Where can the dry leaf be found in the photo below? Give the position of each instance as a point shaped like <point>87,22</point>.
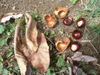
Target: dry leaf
<point>79,57</point>
<point>74,69</point>
<point>18,50</point>
<point>77,70</point>
<point>6,17</point>
<point>32,49</point>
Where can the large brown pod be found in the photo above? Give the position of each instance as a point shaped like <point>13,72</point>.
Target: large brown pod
<point>50,20</point>
<point>62,43</point>
<point>60,12</point>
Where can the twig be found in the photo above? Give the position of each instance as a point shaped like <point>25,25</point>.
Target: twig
<point>16,2</point>
<point>62,53</point>
<point>82,2</point>
<point>98,65</point>
<point>85,40</point>
<point>93,47</point>
<point>50,41</point>
<point>91,43</point>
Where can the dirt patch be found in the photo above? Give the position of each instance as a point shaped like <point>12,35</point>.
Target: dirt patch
<point>48,6</point>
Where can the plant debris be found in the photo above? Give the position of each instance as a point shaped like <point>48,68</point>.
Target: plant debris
<point>32,49</point>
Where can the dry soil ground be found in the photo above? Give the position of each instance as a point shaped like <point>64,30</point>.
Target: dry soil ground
<point>48,6</point>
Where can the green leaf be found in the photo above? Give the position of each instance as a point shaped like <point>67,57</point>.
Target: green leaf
<point>61,31</point>
<point>9,52</point>
<point>17,69</point>
<point>63,56</point>
<point>96,35</point>
<point>5,71</point>
<point>79,72</point>
<point>46,33</point>
<point>49,71</point>
<point>73,1</point>
<point>84,64</point>
<point>35,16</point>
<point>93,72</point>
<point>1,67</point>
<point>16,20</point>
<point>9,29</point>
<point>53,74</point>
<point>2,28</point>
<point>60,62</point>
<point>63,69</point>
<point>91,3</point>
<point>1,59</point>
<point>10,69</point>
<point>93,26</point>
<point>92,13</point>
<point>50,47</point>
<point>3,41</point>
<point>76,18</point>
<point>84,14</point>
<point>52,32</point>
<point>68,65</point>
<point>14,63</point>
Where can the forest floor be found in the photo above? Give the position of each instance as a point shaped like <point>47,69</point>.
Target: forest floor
<point>43,7</point>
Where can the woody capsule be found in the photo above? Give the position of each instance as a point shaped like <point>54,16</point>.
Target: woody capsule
<point>50,20</point>
<point>60,12</point>
<point>62,43</point>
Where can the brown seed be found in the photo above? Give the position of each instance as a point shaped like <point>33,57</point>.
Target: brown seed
<point>80,22</point>
<point>74,46</point>
<point>67,21</point>
<point>76,34</point>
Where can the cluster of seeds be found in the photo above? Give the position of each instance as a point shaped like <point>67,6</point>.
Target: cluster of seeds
<point>63,42</point>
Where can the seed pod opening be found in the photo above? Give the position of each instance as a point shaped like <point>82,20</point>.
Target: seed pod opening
<point>60,12</point>
<point>62,43</point>
<point>50,20</point>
